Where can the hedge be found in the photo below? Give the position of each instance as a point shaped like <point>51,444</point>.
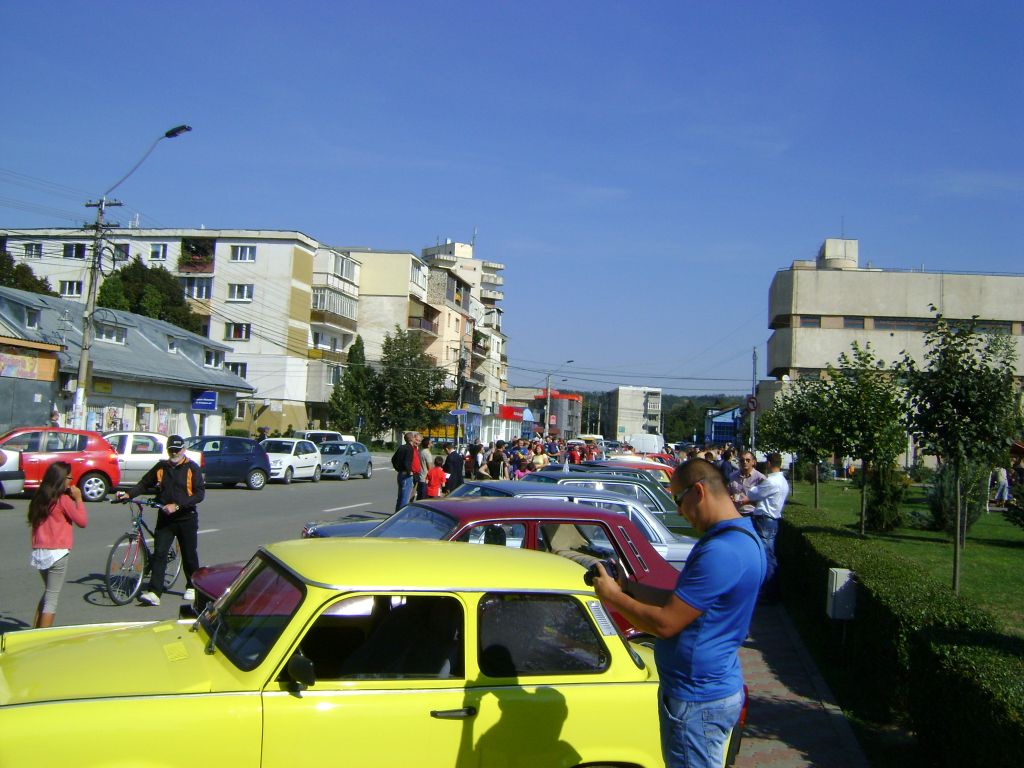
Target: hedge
<point>914,651</point>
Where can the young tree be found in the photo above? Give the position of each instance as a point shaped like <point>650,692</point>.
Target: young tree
<point>868,408</point>
<point>354,405</point>
<point>22,277</point>
<point>411,383</point>
<point>963,405</point>
<point>153,292</point>
<point>801,421</point>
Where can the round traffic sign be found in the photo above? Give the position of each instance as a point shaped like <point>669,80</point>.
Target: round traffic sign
<point>752,403</point>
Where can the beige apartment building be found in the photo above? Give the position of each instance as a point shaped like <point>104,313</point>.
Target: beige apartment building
<point>818,308</point>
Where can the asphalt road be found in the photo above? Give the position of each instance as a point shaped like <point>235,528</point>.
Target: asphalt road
<point>233,523</point>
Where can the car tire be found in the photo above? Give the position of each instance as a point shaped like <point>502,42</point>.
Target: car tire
<point>369,470</point>
<point>288,475</point>
<point>344,473</point>
<point>94,486</point>
<point>316,474</point>
<point>256,480</point>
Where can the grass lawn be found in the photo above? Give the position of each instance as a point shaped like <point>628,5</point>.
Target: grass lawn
<point>992,564</point>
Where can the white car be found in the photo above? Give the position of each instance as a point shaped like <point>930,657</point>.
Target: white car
<point>291,458</point>
<point>137,452</point>
<point>12,478</point>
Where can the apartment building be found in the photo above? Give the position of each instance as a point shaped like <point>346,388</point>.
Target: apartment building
<point>818,308</point>
<point>631,411</point>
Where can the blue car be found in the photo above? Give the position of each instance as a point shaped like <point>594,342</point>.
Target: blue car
<point>231,460</point>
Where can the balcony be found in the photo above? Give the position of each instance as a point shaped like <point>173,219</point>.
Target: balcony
<point>495,265</point>
<point>422,324</point>
<point>486,279</point>
<point>479,350</point>
<point>492,295</point>
<point>333,319</point>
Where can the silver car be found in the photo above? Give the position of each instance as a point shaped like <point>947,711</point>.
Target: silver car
<point>344,458</point>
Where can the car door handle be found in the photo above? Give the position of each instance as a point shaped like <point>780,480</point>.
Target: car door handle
<point>453,714</point>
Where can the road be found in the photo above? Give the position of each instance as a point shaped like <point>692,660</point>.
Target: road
<point>233,523</point>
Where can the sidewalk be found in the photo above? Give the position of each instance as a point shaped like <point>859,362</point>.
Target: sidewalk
<point>792,718</point>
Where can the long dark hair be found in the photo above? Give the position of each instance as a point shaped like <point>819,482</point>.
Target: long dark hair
<point>53,484</point>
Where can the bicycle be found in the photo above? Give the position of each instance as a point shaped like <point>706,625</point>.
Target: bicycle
<point>128,561</point>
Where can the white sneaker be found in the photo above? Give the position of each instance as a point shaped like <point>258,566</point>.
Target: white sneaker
<point>189,595</point>
<point>149,598</point>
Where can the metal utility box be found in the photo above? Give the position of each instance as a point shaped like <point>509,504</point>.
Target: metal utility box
<point>842,594</point>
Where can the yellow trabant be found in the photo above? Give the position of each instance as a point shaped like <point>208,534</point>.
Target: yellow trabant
<point>345,652</point>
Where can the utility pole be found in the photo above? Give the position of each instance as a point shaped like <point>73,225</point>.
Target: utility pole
<point>753,413</point>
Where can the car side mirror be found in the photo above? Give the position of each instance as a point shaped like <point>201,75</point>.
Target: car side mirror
<point>300,669</point>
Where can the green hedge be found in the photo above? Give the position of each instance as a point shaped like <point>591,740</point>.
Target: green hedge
<point>914,650</point>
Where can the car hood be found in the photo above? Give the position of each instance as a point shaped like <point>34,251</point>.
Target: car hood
<point>345,528</point>
<point>105,660</point>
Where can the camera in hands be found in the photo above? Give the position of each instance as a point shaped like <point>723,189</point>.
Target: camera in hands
<point>610,567</point>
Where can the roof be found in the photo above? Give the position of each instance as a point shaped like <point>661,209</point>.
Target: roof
<point>467,509</point>
<point>515,487</point>
<point>144,357</point>
<point>415,564</point>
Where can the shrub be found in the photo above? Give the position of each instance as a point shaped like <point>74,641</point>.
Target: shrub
<point>919,473</point>
<point>887,486</point>
<point>973,496</point>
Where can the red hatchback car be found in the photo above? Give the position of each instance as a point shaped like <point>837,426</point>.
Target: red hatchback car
<point>93,462</point>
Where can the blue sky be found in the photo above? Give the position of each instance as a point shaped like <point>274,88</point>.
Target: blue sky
<point>642,169</point>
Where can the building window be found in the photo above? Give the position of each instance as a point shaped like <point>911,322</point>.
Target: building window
<point>214,359</point>
<point>237,331</point>
<point>418,275</point>
<point>121,252</point>
<point>853,322</point>
<point>197,287</point>
<point>114,334</point>
<point>240,291</point>
<point>239,369</point>
<point>333,374</point>
<point>172,345</point>
<point>33,250</point>
<point>904,324</point>
<point>158,252</point>
<point>810,321</point>
<point>71,289</point>
<point>243,253</point>
<point>332,301</point>
<point>74,250</point>
<point>240,409</point>
<point>32,318</point>
<point>318,339</point>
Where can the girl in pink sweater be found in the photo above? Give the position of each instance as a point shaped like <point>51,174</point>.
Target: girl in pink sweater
<point>56,505</point>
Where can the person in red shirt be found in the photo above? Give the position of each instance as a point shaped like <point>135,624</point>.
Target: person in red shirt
<point>436,478</point>
<point>574,454</point>
<point>56,505</point>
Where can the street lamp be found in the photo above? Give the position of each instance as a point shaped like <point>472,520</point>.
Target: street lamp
<point>547,408</point>
<point>78,409</point>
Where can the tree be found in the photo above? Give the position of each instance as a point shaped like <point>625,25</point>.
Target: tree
<point>801,421</point>
<point>963,405</point>
<point>22,277</point>
<point>867,405</point>
<point>683,420</point>
<point>411,383</point>
<point>152,292</point>
<point>354,405</point>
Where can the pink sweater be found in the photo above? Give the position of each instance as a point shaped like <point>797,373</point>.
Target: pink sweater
<point>55,532</point>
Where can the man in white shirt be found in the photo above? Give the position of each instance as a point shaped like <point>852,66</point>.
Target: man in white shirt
<point>769,497</point>
<point>743,481</point>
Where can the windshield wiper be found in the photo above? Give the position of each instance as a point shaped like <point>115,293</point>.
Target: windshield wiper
<point>215,623</point>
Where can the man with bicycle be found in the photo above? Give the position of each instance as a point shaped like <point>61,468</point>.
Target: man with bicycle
<point>179,486</point>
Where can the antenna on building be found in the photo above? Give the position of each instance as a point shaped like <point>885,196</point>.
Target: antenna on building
<point>473,241</point>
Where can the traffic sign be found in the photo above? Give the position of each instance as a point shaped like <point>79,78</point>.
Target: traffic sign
<point>751,404</point>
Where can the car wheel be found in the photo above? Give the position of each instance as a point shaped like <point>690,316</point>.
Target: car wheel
<point>316,474</point>
<point>288,475</point>
<point>344,473</point>
<point>256,480</point>
<point>94,486</point>
<point>369,470</point>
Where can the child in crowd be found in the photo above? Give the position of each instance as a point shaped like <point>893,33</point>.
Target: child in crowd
<point>436,478</point>
<point>521,470</point>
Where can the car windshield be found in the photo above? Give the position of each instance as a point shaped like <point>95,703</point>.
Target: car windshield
<point>328,448</point>
<point>278,446</point>
<point>246,621</point>
<point>415,522</point>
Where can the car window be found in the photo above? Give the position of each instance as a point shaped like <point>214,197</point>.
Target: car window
<point>388,636</point>
<point>145,444</point>
<point>278,446</point>
<point>236,447</point>
<point>503,534</point>
<point>415,522</point>
<point>360,448</point>
<point>306,447</point>
<point>116,442</point>
<point>26,441</point>
<point>329,449</point>
<point>60,442</point>
<point>529,634</point>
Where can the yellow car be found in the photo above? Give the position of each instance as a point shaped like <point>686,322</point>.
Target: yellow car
<point>345,651</point>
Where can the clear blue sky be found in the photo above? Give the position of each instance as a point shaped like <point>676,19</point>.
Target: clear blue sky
<point>642,169</point>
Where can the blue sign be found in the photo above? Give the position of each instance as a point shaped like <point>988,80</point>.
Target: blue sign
<point>204,400</point>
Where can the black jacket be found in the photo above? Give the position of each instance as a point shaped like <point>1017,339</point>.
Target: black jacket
<point>180,484</point>
<point>402,458</point>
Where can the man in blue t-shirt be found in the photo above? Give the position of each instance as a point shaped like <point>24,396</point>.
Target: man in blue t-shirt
<point>699,626</point>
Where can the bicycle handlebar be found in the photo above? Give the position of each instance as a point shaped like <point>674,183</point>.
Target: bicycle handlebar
<point>140,502</point>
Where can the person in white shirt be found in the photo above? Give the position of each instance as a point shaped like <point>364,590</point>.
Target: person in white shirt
<point>769,498</point>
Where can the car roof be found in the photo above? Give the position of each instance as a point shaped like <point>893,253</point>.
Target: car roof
<point>469,508</point>
<point>607,476</point>
<point>417,564</point>
<point>516,488</point>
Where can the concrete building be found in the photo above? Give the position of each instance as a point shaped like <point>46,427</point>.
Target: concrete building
<point>144,374</point>
<point>631,411</point>
<point>818,308</point>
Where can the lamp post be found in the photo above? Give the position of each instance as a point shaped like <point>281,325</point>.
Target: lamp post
<point>547,408</point>
<point>78,412</point>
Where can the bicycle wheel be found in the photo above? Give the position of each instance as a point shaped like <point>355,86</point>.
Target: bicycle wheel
<point>125,566</point>
<point>173,565</point>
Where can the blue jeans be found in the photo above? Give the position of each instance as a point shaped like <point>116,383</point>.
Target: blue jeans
<point>768,528</point>
<point>404,489</point>
<point>694,733</point>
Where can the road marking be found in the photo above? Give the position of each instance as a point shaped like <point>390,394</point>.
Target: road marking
<point>350,506</point>
<point>209,530</point>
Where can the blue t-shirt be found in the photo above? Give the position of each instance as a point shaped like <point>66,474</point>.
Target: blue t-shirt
<point>722,577</point>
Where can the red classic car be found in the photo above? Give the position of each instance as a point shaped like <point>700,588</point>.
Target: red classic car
<point>580,533</point>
